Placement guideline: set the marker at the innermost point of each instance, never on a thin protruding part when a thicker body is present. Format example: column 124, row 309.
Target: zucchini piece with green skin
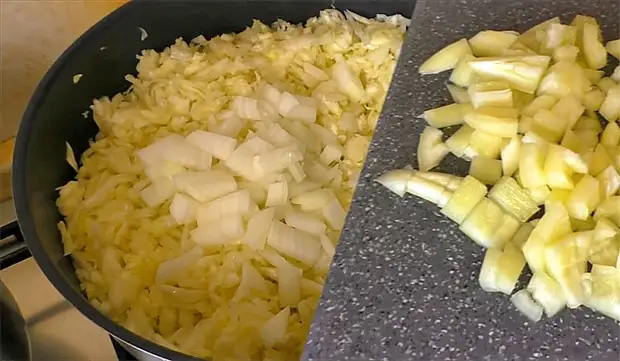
column 512, row 198
column 464, row 199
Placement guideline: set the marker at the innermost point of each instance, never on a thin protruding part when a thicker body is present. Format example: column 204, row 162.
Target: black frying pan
column 104, row 55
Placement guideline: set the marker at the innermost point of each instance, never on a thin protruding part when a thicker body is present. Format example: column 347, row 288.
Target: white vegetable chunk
column 207, row 185
column 526, row 305
column 305, row 221
column 274, row 331
column 258, row 228
column 158, row 192
column 183, row 208
column 294, row 243
column 238, row 202
column 220, row 146
column 277, row 194
column 334, row 214
column 219, row 232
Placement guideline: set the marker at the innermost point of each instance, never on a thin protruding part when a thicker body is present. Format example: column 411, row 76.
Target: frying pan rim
column 23, row 210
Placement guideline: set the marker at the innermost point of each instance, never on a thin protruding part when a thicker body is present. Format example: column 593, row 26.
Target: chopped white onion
column 258, row 228
column 219, row 232
column 294, row 243
column 277, row 194
column 220, row 146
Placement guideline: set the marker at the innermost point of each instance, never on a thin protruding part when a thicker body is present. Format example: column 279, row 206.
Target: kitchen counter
column 403, row 284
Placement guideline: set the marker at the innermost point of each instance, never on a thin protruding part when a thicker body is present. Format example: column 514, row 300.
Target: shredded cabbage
column 205, row 213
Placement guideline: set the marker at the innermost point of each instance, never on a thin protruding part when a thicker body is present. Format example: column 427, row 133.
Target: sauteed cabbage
column 205, row 214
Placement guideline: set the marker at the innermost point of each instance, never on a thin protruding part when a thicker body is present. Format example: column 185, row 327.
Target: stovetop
column 56, row 329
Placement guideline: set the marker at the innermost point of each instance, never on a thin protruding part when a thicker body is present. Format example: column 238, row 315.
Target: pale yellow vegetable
column 560, row 165
column 588, row 123
column 501, row 269
column 593, row 99
column 540, row 194
column 510, row 156
column 458, row 142
column 599, row 160
column 431, row 149
column 521, row 72
column 613, row 48
column 491, row 43
column 610, row 109
column 488, row 225
column 464, row 199
column 605, row 246
column 584, row 198
column 605, row 84
column 485, row 169
column 493, row 94
column 540, row 102
column 498, row 121
column 483, row 143
column 548, row 125
column 513, row 199
column 532, row 158
column 569, row 109
column 446, row 58
column 523, row 301
column 609, row 182
column 611, row 135
column 555, row 223
column 609, row 208
column 602, row 287
column 547, row 292
column 592, row 48
column 462, row 73
column 458, row 94
column 448, row 115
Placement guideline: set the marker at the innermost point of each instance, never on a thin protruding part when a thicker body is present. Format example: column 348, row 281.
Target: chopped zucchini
column 540, row 102
column 606, row 84
column 592, row 47
column 588, row 123
column 605, row 246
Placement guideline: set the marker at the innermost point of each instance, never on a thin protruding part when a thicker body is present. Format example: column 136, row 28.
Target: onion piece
column 219, row 232
column 258, row 229
column 274, row 331
column 172, row 268
column 294, row 243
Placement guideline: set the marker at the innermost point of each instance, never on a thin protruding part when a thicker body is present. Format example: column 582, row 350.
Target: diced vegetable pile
column 205, row 214
column 539, row 122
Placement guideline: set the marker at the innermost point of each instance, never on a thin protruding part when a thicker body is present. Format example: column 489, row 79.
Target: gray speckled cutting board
column 403, row 285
